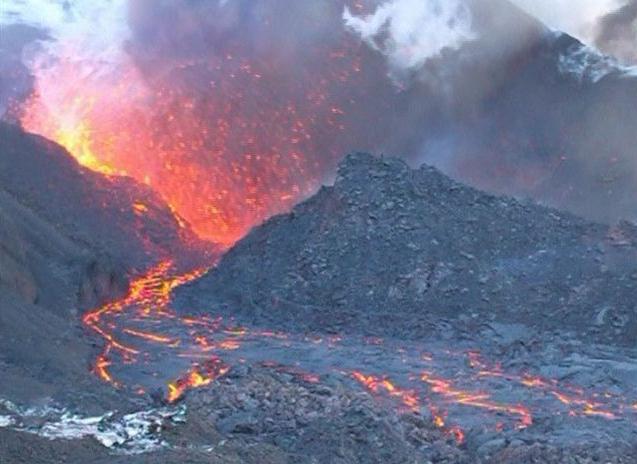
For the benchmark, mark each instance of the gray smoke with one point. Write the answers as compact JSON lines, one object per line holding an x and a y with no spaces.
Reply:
{"x":617,"y":33}
{"x":478,"y":87}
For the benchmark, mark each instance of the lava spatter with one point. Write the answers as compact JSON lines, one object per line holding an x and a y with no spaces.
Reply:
{"x":223,"y":160}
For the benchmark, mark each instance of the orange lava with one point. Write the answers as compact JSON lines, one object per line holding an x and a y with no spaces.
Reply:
{"x":478,"y":400}
{"x":152,"y":337}
{"x":101,"y":369}
{"x":199,"y":376}
{"x":149,"y":292}
{"x":226,"y":157}
{"x":575,"y":399}
{"x":408,"y":398}
{"x":203,"y":339}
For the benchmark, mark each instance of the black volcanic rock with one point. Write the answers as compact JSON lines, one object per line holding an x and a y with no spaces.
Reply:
{"x":392,"y":251}
{"x":69,"y":239}
{"x":46,"y":279}
{"x":110,"y":215}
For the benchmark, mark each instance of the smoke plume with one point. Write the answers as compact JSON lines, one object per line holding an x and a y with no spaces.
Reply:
{"x":235,"y":110}
{"x":617,"y":33}
{"x":411,"y":32}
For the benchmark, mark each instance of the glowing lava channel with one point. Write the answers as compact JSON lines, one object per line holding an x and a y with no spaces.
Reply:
{"x":142,"y":325}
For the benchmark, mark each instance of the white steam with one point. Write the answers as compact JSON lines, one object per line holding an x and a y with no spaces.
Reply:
{"x":411,"y":32}
{"x":85,"y":39}
{"x":97,"y":29}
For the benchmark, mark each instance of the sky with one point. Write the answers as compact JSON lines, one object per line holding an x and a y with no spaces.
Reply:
{"x":575,"y":17}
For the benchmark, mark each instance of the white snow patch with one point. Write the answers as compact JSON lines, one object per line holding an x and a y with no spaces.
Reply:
{"x":587,"y":64}
{"x":134,"y":433}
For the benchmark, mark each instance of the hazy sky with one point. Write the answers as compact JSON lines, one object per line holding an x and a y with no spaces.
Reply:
{"x":576,"y":17}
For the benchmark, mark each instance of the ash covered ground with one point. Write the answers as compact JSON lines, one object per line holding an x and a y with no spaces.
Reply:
{"x":396,"y":316}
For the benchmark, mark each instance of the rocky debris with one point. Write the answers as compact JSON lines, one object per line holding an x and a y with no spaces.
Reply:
{"x":391,"y":251}
{"x":326,"y":422}
{"x":256,"y":415}
{"x":550,"y":455}
{"x":305,"y":422}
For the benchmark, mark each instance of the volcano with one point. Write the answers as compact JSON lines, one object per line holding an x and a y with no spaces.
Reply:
{"x":191,"y":268}
{"x":232,"y":133}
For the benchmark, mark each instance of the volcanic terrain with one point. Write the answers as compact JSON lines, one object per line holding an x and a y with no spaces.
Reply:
{"x":152,"y":308}
{"x":395,"y":316}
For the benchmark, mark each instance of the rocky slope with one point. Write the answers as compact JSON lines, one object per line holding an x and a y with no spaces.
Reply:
{"x":256,"y":416}
{"x":69,"y":240}
{"x":391,"y":251}
{"x":113,"y":215}
{"x":46,"y":279}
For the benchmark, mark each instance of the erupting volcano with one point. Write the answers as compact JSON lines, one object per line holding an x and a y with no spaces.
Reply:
{"x":188,"y":207}
{"x":227,"y":136}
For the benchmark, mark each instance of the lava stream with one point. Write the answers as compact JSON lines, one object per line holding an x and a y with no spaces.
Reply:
{"x":150,"y":347}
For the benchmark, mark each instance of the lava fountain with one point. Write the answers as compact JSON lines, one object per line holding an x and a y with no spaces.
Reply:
{"x":228,"y":132}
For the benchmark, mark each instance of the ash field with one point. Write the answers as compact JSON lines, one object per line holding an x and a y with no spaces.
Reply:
{"x":193,"y":268}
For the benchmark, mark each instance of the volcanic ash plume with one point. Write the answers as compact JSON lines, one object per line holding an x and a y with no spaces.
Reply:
{"x":228,"y":127}
{"x":617,"y":32}
{"x":235,"y":110}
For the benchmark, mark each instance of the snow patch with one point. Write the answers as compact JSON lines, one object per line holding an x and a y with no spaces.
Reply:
{"x":587,"y":64}
{"x":134,"y":433}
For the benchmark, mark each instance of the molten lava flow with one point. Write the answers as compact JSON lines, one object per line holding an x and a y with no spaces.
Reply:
{"x":478,"y":400}
{"x":377,"y":385}
{"x":150,"y":294}
{"x":409,"y":399}
{"x":199,"y":376}
{"x":578,"y":403}
{"x":141,"y":332}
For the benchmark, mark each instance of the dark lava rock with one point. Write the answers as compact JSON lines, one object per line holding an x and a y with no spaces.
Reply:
{"x":308,"y":425}
{"x":46,"y":280}
{"x":99,"y":212}
{"x":392,"y":251}
{"x":69,"y":239}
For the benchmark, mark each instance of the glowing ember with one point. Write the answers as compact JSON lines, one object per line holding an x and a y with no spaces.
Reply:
{"x":199,"y":376}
